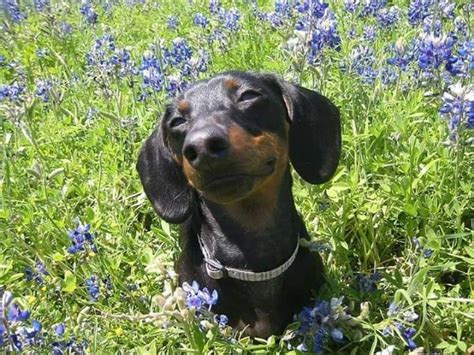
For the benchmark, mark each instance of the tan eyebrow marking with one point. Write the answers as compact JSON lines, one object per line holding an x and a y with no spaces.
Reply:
{"x":184,"y":106}
{"x":232,"y":84}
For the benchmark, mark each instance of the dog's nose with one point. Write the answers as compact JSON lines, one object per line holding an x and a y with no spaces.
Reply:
{"x":205,"y":147}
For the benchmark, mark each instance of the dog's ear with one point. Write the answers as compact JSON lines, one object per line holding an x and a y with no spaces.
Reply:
{"x":163,"y":180}
{"x":315,"y":133}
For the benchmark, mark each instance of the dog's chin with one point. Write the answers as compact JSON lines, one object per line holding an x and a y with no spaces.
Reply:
{"x":230,"y":189}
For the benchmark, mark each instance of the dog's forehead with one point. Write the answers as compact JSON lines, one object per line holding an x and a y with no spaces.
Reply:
{"x":216,"y":93}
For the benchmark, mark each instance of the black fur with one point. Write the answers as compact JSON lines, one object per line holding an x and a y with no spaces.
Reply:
{"x":265,"y":307}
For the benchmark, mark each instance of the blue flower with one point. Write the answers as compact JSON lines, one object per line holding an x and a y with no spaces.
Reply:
{"x":200,"y":20}
{"x":59,"y":330}
{"x":427,"y":252}
{"x":89,"y":13}
{"x":13,"y":93}
{"x":172,"y":22}
{"x":337,"y":335}
{"x":418,"y":10}
{"x":388,"y":17}
{"x":93,"y":288}
{"x":231,"y":19}
{"x":370,"y":33}
{"x":43,"y":89}
{"x":372,"y":6}
{"x":368,"y":283}
{"x":393,"y":309}
{"x":15,"y":314}
{"x":221,"y":319}
{"x":12,"y":10}
{"x":457,"y":107}
{"x":41,"y":5}
{"x":80,"y":237}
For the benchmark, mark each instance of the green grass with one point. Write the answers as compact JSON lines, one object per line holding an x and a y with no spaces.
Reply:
{"x":396,"y":180}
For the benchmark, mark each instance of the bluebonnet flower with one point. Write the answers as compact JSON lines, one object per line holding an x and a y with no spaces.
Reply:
{"x":388,"y":17}
{"x":324,"y":34}
{"x":371,"y":7}
{"x":151,"y":71}
{"x":407,"y":335}
{"x":41,"y":5}
{"x":362,"y":61}
{"x":432,"y":25}
{"x":458,"y":108}
{"x":368,"y":283}
{"x":428,"y":252}
{"x":418,"y":10}
{"x":370,"y":32}
{"x":38,"y":274}
{"x":401,"y":54}
{"x":388,"y":75}
{"x":43,"y":89}
{"x":433,"y":51}
{"x":13,"y":93}
{"x":393,"y":309}
{"x":201,"y":20}
{"x":215,"y":7}
{"x":410,"y":316}
{"x":93,"y":288}
{"x":60,"y":329}
{"x":324,"y":320}
{"x":180,"y":52}
{"x":460,"y":26}
{"x":15,"y":314}
{"x":89,"y":13}
{"x":172,"y":22}
{"x":351,"y":5}
{"x":65,"y":29}
{"x":12,"y":10}
{"x":221,"y":319}
{"x":218,"y":36}
{"x":231,"y":19}
{"x":105,"y":60}
{"x":80,"y":237}
{"x":461,"y":61}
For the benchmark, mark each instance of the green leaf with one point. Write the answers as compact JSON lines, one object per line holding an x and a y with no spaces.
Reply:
{"x":69,"y":284}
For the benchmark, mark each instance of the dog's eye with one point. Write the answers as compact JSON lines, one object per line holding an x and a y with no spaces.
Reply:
{"x":249,"y":95}
{"x":177,"y":121}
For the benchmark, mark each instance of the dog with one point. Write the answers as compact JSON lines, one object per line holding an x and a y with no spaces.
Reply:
{"x":218,"y":165}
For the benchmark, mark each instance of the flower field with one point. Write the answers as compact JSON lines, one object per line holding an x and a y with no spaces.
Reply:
{"x":86,"y":266}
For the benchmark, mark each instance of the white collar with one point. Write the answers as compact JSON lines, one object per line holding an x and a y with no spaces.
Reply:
{"x":217,"y":271}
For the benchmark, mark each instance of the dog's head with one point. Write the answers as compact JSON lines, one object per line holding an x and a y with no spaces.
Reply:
{"x":231,"y":135}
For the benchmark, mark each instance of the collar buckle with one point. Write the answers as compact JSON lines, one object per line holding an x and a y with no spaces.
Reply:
{"x":215,"y":269}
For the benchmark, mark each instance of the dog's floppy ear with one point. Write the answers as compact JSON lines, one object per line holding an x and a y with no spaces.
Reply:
{"x":315,"y":133}
{"x":163,"y":180}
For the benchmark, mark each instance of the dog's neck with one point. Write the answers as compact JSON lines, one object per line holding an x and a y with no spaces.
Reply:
{"x":259,"y":234}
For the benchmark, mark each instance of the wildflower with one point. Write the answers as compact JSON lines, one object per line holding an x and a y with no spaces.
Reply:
{"x":59,"y":330}
{"x":351,"y":5}
{"x":427,"y":252}
{"x":368,"y":283}
{"x":215,"y":7}
{"x":370,"y":33}
{"x":43,"y":89}
{"x":41,"y":5}
{"x":387,"y":351}
{"x":15,"y":314}
{"x":457,"y":107}
{"x":393,"y":309}
{"x":362,"y":61}
{"x":433,"y":51}
{"x":324,"y":320}
{"x":80,"y":237}
{"x":37,"y":275}
{"x":14,"y":92}
{"x":388,"y":17}
{"x":221,"y":320}
{"x":12,"y":10}
{"x":200,"y":20}
{"x":371,"y":7}
{"x":407,"y":335}
{"x":93,"y":288}
{"x":172,"y":22}
{"x":231,"y":20}
{"x":180,"y":52}
{"x":89,"y":13}
{"x":418,"y":10}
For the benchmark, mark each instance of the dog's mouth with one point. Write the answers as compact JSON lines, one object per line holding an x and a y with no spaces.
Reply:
{"x":234,"y":184}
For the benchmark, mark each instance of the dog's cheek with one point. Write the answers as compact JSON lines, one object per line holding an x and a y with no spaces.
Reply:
{"x":191,"y":174}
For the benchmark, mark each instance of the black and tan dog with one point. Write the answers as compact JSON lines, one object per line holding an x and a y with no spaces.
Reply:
{"x":218,"y":164}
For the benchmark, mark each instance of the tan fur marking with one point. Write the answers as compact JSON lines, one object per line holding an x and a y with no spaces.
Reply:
{"x":183,"y":106}
{"x":232,"y":84}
